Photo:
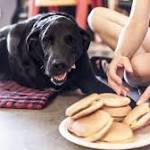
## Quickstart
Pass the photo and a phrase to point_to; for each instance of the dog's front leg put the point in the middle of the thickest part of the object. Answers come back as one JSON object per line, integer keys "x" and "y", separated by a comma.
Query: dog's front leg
{"x": 87, "y": 80}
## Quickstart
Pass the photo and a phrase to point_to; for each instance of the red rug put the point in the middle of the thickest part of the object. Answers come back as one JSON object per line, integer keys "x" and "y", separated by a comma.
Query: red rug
{"x": 13, "y": 95}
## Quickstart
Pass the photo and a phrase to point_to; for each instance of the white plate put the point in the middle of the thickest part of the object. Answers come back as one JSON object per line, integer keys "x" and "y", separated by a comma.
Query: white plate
{"x": 142, "y": 138}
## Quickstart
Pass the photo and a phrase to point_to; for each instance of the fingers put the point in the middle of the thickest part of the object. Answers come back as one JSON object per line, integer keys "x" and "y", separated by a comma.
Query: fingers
{"x": 114, "y": 85}
{"x": 145, "y": 96}
{"x": 118, "y": 88}
{"x": 112, "y": 73}
{"x": 112, "y": 78}
{"x": 127, "y": 65}
{"x": 115, "y": 74}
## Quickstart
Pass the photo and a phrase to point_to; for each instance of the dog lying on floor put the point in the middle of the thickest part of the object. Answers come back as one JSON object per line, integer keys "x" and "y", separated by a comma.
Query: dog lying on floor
{"x": 40, "y": 53}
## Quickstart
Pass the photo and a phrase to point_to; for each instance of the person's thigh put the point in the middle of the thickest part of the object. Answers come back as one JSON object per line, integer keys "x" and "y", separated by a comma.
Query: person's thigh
{"x": 99, "y": 13}
{"x": 107, "y": 24}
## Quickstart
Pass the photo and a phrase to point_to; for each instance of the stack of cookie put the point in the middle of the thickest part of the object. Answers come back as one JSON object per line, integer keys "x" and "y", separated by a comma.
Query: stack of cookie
{"x": 138, "y": 117}
{"x": 106, "y": 117}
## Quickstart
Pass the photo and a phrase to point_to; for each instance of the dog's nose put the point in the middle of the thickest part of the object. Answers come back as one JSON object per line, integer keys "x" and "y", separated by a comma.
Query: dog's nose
{"x": 59, "y": 66}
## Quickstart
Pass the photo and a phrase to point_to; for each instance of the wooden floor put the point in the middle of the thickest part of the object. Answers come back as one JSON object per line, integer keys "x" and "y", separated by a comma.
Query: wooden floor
{"x": 37, "y": 129}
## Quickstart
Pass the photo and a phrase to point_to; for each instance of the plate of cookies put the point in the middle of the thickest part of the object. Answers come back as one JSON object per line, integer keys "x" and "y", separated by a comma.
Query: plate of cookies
{"x": 106, "y": 121}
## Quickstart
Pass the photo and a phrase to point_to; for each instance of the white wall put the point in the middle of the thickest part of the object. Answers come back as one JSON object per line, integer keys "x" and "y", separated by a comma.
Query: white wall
{"x": 7, "y": 8}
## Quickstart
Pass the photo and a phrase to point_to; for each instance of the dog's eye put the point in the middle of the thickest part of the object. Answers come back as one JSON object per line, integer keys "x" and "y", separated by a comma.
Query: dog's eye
{"x": 49, "y": 39}
{"x": 68, "y": 39}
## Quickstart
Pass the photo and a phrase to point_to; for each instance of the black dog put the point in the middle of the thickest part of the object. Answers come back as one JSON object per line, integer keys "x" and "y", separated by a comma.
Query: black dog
{"x": 41, "y": 51}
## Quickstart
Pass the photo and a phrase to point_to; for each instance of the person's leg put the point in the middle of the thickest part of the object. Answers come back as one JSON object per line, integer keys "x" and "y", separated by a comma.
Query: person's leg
{"x": 141, "y": 70}
{"x": 108, "y": 24}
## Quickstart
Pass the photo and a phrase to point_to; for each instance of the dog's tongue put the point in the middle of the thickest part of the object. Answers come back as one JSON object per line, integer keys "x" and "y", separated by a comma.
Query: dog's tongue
{"x": 60, "y": 77}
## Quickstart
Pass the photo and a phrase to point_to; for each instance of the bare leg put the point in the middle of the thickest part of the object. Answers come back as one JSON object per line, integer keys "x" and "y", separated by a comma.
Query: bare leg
{"x": 108, "y": 25}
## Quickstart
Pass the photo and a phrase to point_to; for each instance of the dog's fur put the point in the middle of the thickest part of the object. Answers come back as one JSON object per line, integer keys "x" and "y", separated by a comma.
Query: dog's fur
{"x": 30, "y": 51}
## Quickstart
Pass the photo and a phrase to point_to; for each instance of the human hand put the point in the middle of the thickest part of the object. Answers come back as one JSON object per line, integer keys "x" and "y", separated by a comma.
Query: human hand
{"x": 115, "y": 73}
{"x": 145, "y": 96}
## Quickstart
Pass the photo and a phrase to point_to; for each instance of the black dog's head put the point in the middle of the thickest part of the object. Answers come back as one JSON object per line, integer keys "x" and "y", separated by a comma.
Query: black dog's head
{"x": 57, "y": 42}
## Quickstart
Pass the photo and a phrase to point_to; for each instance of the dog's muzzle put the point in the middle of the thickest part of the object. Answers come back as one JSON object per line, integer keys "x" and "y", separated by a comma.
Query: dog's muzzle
{"x": 60, "y": 74}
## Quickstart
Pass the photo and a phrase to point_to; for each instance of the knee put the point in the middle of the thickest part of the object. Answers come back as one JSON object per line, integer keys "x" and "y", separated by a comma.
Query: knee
{"x": 137, "y": 64}
{"x": 97, "y": 13}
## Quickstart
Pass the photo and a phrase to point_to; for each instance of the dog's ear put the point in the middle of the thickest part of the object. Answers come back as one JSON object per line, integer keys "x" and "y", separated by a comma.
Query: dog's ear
{"x": 33, "y": 37}
{"x": 86, "y": 39}
{"x": 34, "y": 48}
